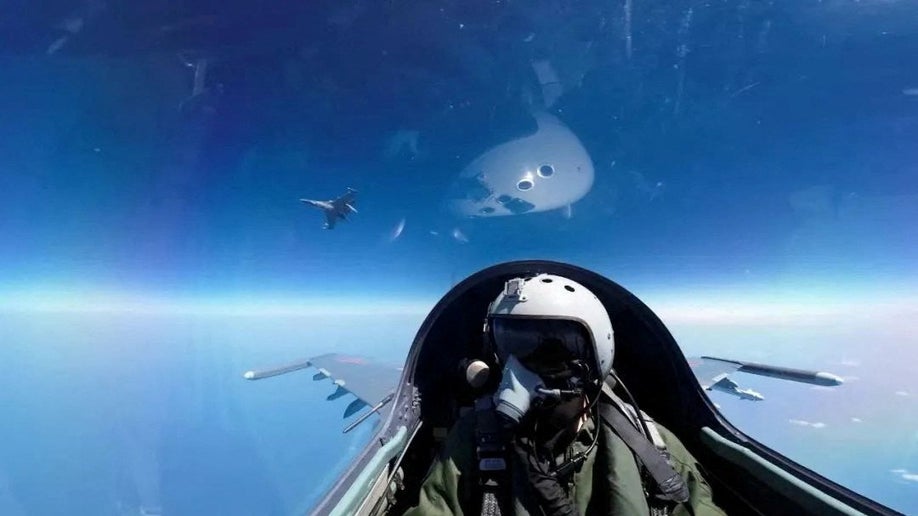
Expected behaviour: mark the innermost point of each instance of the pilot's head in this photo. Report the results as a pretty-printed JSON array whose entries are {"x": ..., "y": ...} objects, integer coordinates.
[{"x": 553, "y": 340}]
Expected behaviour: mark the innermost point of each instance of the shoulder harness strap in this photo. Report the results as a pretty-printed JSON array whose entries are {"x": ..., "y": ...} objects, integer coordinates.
[
  {"x": 629, "y": 411},
  {"x": 670, "y": 484}
]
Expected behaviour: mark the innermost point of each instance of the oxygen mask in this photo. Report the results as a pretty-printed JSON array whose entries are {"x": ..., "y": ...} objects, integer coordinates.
[
  {"x": 519, "y": 388},
  {"x": 542, "y": 364}
]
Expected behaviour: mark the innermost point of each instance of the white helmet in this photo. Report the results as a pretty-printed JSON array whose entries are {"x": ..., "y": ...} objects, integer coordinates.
[{"x": 549, "y": 298}]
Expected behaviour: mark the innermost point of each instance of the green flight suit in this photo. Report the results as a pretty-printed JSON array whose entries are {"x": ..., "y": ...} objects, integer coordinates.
[{"x": 608, "y": 482}]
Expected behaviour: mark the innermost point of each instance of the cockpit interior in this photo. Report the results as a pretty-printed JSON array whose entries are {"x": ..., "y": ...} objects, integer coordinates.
[{"x": 746, "y": 477}]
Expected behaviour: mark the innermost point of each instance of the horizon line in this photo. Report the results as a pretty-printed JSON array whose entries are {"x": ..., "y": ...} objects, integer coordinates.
[{"x": 715, "y": 306}]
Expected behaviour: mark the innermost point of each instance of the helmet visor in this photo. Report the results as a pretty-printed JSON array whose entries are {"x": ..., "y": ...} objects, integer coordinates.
[{"x": 545, "y": 346}]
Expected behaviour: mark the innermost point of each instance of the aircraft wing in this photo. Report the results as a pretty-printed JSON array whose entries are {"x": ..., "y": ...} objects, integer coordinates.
[
  {"x": 373, "y": 383},
  {"x": 370, "y": 381},
  {"x": 710, "y": 372},
  {"x": 342, "y": 202}
]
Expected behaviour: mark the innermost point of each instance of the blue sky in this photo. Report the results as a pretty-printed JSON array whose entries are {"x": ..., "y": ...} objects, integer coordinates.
[
  {"x": 756, "y": 183},
  {"x": 105, "y": 183}
]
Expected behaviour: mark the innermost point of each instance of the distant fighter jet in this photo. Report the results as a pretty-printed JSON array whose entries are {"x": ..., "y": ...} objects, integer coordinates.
[{"x": 335, "y": 209}]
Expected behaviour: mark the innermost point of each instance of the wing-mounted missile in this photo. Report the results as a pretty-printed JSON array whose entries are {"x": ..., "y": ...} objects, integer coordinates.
[{"x": 730, "y": 387}]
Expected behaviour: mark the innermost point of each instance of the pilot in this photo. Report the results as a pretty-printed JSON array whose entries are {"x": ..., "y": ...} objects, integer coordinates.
[{"x": 553, "y": 438}]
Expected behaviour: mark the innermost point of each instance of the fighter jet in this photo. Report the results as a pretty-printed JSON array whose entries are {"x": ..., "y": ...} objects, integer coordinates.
[
  {"x": 446, "y": 371},
  {"x": 335, "y": 209}
]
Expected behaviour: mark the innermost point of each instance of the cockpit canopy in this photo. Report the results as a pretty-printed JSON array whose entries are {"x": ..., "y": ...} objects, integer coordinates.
[{"x": 647, "y": 358}]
